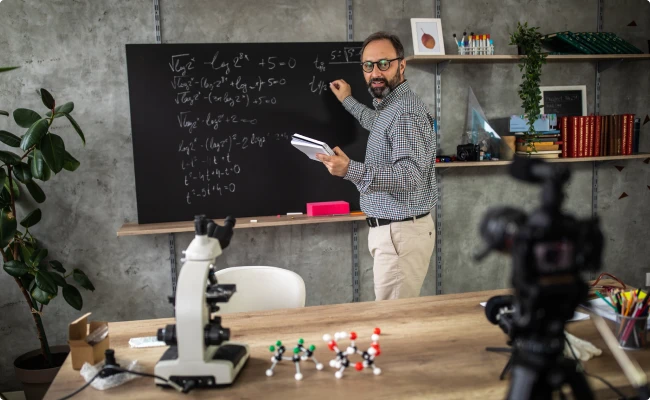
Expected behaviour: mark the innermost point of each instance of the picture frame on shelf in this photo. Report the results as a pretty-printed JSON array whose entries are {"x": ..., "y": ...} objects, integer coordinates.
[
  {"x": 427, "y": 36},
  {"x": 563, "y": 101}
]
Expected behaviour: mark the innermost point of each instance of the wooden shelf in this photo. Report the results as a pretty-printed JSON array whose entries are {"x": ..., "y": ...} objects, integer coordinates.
[
  {"x": 133, "y": 229},
  {"x": 505, "y": 58},
  {"x": 460, "y": 164}
]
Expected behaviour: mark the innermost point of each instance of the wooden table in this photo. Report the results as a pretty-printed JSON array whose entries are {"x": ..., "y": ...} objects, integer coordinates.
[{"x": 432, "y": 347}]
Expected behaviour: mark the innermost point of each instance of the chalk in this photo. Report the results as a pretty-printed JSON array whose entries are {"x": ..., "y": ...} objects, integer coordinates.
[
  {"x": 253, "y": 220},
  {"x": 294, "y": 213}
]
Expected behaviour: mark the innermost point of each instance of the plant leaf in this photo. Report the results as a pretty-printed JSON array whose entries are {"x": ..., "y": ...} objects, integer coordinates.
[
  {"x": 23, "y": 172},
  {"x": 5, "y": 69},
  {"x": 3, "y": 175},
  {"x": 38, "y": 256},
  {"x": 31, "y": 219},
  {"x": 9, "y": 158},
  {"x": 45, "y": 282},
  {"x": 26, "y": 252},
  {"x": 57, "y": 266},
  {"x": 64, "y": 109},
  {"x": 47, "y": 98},
  {"x": 58, "y": 279},
  {"x": 9, "y": 139},
  {"x": 34, "y": 134},
  {"x": 70, "y": 163},
  {"x": 5, "y": 199},
  {"x": 35, "y": 191},
  {"x": 76, "y": 128},
  {"x": 27, "y": 281},
  {"x": 8, "y": 227},
  {"x": 53, "y": 150},
  {"x": 15, "y": 187},
  {"x": 15, "y": 268},
  {"x": 73, "y": 297},
  {"x": 39, "y": 169},
  {"x": 41, "y": 296},
  {"x": 2, "y": 112},
  {"x": 83, "y": 281},
  {"x": 25, "y": 117}
]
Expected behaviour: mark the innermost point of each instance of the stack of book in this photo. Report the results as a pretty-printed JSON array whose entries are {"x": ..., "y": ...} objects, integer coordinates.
[
  {"x": 600, "y": 135},
  {"x": 546, "y": 144},
  {"x": 587, "y": 43}
]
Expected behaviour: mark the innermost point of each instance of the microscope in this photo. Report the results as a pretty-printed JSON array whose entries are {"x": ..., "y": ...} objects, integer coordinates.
[{"x": 200, "y": 354}]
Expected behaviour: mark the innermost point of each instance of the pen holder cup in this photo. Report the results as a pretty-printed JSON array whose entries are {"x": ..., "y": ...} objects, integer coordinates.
[{"x": 632, "y": 333}]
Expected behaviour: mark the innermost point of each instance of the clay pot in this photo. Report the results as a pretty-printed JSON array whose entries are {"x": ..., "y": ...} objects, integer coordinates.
[{"x": 30, "y": 371}]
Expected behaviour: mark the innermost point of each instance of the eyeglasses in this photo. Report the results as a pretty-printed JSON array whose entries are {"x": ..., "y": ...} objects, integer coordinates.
[{"x": 383, "y": 65}]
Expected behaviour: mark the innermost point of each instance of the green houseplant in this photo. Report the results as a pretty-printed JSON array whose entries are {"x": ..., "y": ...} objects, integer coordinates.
[
  {"x": 529, "y": 42},
  {"x": 41, "y": 154}
]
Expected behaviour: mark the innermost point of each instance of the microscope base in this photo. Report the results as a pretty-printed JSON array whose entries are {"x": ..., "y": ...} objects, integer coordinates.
[{"x": 220, "y": 370}]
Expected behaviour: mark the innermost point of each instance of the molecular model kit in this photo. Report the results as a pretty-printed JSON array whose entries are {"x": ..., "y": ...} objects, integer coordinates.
[
  {"x": 341, "y": 362},
  {"x": 307, "y": 354}
]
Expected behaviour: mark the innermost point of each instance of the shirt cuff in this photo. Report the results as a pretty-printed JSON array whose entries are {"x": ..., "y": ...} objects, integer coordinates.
[
  {"x": 349, "y": 103},
  {"x": 355, "y": 171}
]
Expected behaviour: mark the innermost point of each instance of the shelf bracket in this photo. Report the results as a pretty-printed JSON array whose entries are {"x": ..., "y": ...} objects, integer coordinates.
[
  {"x": 442, "y": 65},
  {"x": 607, "y": 64}
]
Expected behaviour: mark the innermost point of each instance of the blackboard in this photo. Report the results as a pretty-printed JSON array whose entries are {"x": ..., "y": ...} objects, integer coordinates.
[
  {"x": 212, "y": 125},
  {"x": 563, "y": 103}
]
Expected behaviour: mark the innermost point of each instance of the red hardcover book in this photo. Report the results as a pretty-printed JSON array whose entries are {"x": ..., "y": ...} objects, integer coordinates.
[
  {"x": 612, "y": 136},
  {"x": 619, "y": 134},
  {"x": 624, "y": 132},
  {"x": 575, "y": 121},
  {"x": 597, "y": 136},
  {"x": 581, "y": 136},
  {"x": 630, "y": 133},
  {"x": 564, "y": 133},
  {"x": 590, "y": 142}
]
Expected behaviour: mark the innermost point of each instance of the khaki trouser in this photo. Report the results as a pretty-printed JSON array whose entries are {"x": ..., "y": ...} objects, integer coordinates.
[{"x": 402, "y": 251}]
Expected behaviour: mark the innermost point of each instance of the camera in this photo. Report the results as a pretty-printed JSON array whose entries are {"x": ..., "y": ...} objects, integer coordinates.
[
  {"x": 550, "y": 252},
  {"x": 467, "y": 152}
]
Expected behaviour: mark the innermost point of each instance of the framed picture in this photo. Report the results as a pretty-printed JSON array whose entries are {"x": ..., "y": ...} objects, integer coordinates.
[
  {"x": 564, "y": 101},
  {"x": 427, "y": 36}
]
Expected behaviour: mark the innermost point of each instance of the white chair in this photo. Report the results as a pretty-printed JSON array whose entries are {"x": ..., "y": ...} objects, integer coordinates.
[{"x": 262, "y": 288}]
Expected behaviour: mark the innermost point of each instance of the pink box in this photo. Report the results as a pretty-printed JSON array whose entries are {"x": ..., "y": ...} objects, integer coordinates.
[{"x": 328, "y": 208}]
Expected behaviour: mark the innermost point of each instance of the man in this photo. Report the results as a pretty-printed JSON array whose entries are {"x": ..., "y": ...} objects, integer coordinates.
[{"x": 397, "y": 181}]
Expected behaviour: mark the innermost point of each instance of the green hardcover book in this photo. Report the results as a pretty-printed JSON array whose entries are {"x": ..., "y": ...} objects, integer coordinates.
[
  {"x": 607, "y": 38},
  {"x": 562, "y": 42},
  {"x": 597, "y": 38},
  {"x": 583, "y": 41},
  {"x": 602, "y": 44},
  {"x": 586, "y": 36},
  {"x": 626, "y": 45}
]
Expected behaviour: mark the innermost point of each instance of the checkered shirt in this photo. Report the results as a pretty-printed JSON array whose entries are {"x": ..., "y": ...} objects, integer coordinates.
[{"x": 397, "y": 179}]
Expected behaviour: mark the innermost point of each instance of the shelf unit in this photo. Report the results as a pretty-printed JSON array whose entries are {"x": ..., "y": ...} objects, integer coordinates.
[
  {"x": 605, "y": 61},
  {"x": 504, "y": 58},
  {"x": 461, "y": 164}
]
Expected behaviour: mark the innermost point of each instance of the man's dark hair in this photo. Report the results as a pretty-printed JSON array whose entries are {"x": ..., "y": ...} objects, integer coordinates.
[{"x": 393, "y": 39}]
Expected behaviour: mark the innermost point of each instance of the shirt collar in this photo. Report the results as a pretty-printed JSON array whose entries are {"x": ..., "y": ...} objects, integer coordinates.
[{"x": 398, "y": 92}]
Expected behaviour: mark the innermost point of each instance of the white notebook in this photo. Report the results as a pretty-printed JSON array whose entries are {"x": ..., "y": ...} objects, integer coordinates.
[{"x": 310, "y": 146}]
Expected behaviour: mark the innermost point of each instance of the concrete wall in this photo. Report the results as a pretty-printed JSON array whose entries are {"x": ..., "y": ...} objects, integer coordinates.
[{"x": 76, "y": 50}]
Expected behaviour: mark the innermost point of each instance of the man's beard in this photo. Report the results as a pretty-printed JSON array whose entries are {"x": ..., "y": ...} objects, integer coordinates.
[{"x": 382, "y": 92}]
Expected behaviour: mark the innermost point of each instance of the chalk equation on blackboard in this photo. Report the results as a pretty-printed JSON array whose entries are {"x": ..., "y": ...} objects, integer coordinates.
[
  {"x": 212, "y": 125},
  {"x": 192, "y": 86}
]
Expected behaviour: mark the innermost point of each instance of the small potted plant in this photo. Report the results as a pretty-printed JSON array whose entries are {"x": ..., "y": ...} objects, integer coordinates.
[
  {"x": 41, "y": 154},
  {"x": 529, "y": 43}
]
